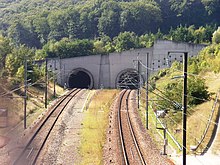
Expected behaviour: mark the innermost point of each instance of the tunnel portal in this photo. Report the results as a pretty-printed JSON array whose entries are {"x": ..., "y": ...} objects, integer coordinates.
[
  {"x": 80, "y": 79},
  {"x": 128, "y": 79}
]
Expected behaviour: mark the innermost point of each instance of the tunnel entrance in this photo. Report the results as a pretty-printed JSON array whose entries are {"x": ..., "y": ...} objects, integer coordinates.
[
  {"x": 80, "y": 79},
  {"x": 128, "y": 79}
]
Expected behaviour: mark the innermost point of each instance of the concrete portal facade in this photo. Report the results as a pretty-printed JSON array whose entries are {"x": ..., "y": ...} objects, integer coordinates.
[{"x": 110, "y": 70}]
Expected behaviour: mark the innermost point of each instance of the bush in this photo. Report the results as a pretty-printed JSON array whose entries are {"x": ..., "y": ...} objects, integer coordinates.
[
  {"x": 162, "y": 73},
  {"x": 209, "y": 58},
  {"x": 197, "y": 93},
  {"x": 216, "y": 36},
  {"x": 197, "y": 90}
]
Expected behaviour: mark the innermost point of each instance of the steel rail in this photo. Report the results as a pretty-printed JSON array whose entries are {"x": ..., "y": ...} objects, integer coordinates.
[
  {"x": 124, "y": 152},
  {"x": 72, "y": 93},
  {"x": 133, "y": 134},
  {"x": 125, "y": 156}
]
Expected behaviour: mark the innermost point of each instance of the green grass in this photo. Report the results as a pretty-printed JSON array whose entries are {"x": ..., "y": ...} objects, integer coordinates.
[
  {"x": 93, "y": 134},
  {"x": 196, "y": 120},
  {"x": 156, "y": 134}
]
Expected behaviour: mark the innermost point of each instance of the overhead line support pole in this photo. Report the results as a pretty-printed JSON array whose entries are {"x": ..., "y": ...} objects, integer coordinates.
[
  {"x": 184, "y": 106},
  {"x": 54, "y": 79},
  {"x": 165, "y": 140},
  {"x": 147, "y": 75},
  {"x": 139, "y": 83},
  {"x": 25, "y": 92},
  {"x": 54, "y": 85},
  {"x": 46, "y": 79}
]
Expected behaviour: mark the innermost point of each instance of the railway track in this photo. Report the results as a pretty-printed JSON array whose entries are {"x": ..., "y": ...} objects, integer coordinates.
[
  {"x": 32, "y": 149},
  {"x": 130, "y": 149}
]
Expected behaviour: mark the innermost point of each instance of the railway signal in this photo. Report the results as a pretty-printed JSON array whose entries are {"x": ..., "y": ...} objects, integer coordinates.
[{"x": 25, "y": 90}]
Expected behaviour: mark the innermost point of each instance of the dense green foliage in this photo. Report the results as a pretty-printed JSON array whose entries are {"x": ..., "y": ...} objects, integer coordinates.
[
  {"x": 124, "y": 41},
  {"x": 216, "y": 36},
  {"x": 208, "y": 60},
  {"x": 66, "y": 48},
  {"x": 197, "y": 93},
  {"x": 12, "y": 62},
  {"x": 35, "y": 22},
  {"x": 12, "y": 56},
  {"x": 36, "y": 29}
]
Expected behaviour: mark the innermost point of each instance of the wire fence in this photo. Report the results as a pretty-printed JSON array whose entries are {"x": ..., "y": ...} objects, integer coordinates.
[
  {"x": 169, "y": 134},
  {"x": 208, "y": 124}
]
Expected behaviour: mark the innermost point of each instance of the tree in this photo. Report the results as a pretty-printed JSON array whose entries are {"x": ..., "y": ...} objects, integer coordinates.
[
  {"x": 42, "y": 28},
  {"x": 99, "y": 47},
  {"x": 140, "y": 17},
  {"x": 5, "y": 49},
  {"x": 216, "y": 36},
  {"x": 109, "y": 23},
  {"x": 211, "y": 6},
  {"x": 15, "y": 60},
  {"x": 197, "y": 90},
  {"x": 197, "y": 93},
  {"x": 20, "y": 34},
  {"x": 199, "y": 35},
  {"x": 125, "y": 41},
  {"x": 73, "y": 19},
  {"x": 146, "y": 40},
  {"x": 209, "y": 32},
  {"x": 57, "y": 23},
  {"x": 193, "y": 68},
  {"x": 182, "y": 33},
  {"x": 66, "y": 48},
  {"x": 85, "y": 25}
]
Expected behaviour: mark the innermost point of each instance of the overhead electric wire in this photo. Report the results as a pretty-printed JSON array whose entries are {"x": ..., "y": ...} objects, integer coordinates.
[
  {"x": 176, "y": 103},
  {"x": 165, "y": 97},
  {"x": 173, "y": 102},
  {"x": 178, "y": 142},
  {"x": 204, "y": 118},
  {"x": 14, "y": 90},
  {"x": 187, "y": 133},
  {"x": 181, "y": 72},
  {"x": 153, "y": 69},
  {"x": 178, "y": 123}
]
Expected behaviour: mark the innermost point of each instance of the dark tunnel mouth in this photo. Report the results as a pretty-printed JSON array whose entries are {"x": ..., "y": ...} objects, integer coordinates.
[
  {"x": 128, "y": 79},
  {"x": 80, "y": 79}
]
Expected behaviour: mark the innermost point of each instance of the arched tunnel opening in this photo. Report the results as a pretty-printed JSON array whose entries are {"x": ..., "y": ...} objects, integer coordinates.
[
  {"x": 80, "y": 79},
  {"x": 128, "y": 79}
]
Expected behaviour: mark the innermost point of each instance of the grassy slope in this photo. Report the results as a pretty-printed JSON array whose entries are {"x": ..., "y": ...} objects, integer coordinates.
[
  {"x": 12, "y": 105},
  {"x": 15, "y": 106},
  {"x": 197, "y": 120}
]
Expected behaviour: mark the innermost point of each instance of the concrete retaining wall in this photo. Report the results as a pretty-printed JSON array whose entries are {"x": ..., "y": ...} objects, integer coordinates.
[{"x": 105, "y": 69}]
